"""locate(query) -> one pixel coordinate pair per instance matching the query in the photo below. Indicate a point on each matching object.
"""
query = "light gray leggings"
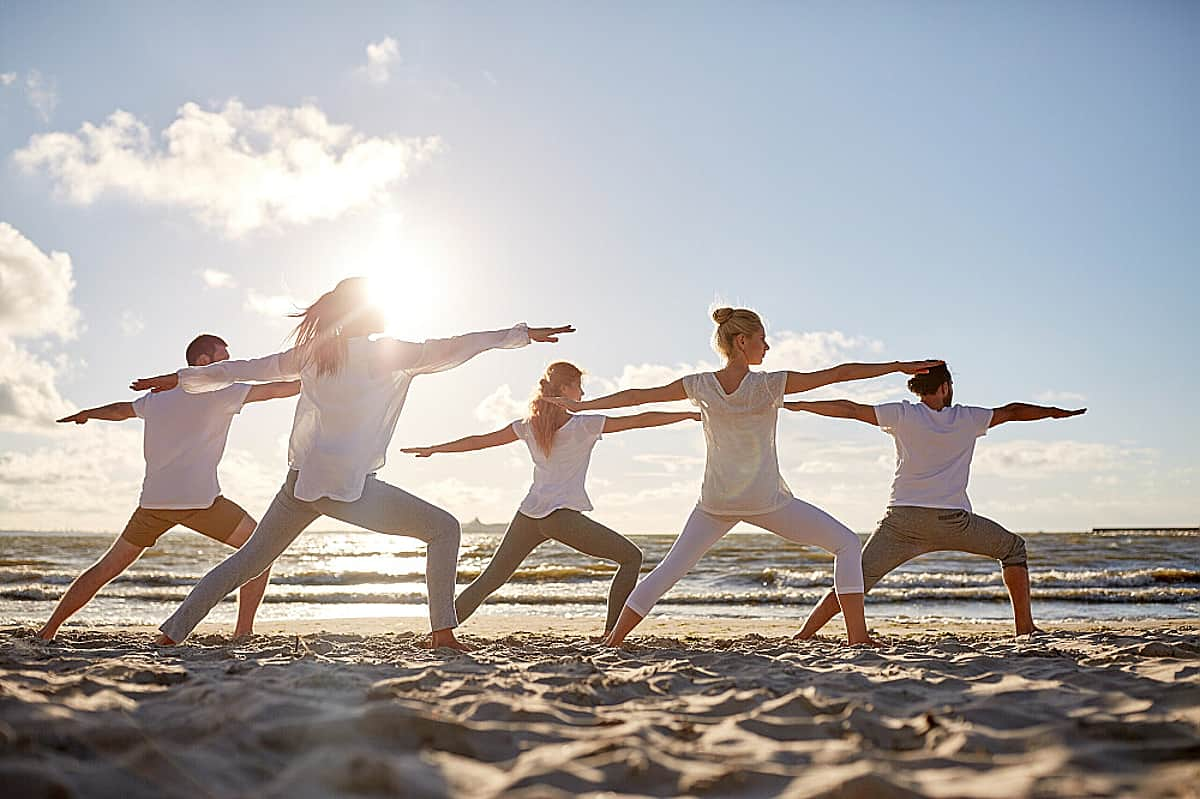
(569, 527)
(382, 508)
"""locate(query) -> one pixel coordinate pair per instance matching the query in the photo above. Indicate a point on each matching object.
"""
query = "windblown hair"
(732, 322)
(318, 337)
(203, 344)
(545, 418)
(931, 381)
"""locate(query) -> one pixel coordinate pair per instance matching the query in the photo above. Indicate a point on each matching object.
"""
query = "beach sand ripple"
(964, 713)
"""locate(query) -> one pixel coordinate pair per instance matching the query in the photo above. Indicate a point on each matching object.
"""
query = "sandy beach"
(724, 708)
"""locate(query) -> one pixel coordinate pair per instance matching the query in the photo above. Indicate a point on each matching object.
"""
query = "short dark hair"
(931, 381)
(203, 344)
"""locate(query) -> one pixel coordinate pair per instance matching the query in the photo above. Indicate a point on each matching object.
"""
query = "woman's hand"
(918, 367)
(420, 452)
(549, 334)
(156, 384)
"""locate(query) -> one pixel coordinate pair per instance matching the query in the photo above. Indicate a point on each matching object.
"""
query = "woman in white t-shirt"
(352, 389)
(561, 447)
(741, 472)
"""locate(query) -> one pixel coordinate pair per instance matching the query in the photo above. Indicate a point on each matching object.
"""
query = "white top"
(558, 481)
(741, 470)
(933, 452)
(345, 422)
(183, 443)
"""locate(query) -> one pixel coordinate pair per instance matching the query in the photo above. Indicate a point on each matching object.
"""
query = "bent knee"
(1016, 553)
(445, 527)
(848, 544)
(630, 556)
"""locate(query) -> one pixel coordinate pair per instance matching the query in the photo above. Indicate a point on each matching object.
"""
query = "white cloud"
(42, 93)
(275, 306)
(671, 464)
(1065, 398)
(35, 289)
(380, 56)
(35, 301)
(215, 279)
(1040, 458)
(235, 169)
(459, 497)
(500, 407)
(131, 323)
(7, 78)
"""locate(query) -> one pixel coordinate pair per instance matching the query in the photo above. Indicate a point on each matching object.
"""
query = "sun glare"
(408, 278)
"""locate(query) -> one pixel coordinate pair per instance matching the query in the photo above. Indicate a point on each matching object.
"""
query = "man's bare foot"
(1034, 630)
(800, 636)
(163, 640)
(445, 638)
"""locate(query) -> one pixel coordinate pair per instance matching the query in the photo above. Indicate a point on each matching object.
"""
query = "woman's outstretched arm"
(440, 354)
(503, 436)
(616, 424)
(671, 392)
(806, 381)
(282, 366)
(838, 409)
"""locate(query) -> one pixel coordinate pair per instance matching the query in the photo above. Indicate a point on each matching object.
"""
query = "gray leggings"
(382, 508)
(569, 527)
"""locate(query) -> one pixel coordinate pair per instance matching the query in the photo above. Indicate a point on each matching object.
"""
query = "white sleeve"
(595, 425)
(691, 384)
(888, 415)
(236, 394)
(776, 384)
(216, 376)
(440, 354)
(139, 405)
(981, 420)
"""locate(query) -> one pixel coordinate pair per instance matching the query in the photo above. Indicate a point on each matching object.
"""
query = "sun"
(407, 275)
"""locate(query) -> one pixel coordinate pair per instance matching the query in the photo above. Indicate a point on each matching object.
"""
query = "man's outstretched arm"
(1024, 412)
(112, 412)
(838, 409)
(266, 391)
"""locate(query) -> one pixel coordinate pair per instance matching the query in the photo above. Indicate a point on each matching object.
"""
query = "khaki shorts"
(218, 521)
(907, 532)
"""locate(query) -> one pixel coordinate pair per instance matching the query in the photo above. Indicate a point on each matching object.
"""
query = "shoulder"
(695, 382)
(591, 422)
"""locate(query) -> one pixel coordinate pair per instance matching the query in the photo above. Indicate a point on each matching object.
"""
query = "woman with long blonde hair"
(352, 390)
(742, 482)
(561, 447)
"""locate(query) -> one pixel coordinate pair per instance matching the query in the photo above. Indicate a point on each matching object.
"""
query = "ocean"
(1075, 576)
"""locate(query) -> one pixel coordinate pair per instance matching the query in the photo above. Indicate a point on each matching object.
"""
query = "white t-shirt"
(344, 422)
(183, 443)
(933, 452)
(558, 481)
(741, 470)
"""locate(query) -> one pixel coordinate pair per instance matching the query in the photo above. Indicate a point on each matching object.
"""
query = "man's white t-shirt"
(741, 469)
(183, 442)
(933, 452)
(558, 480)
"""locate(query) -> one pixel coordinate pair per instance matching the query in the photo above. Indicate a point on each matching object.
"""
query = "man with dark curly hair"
(929, 510)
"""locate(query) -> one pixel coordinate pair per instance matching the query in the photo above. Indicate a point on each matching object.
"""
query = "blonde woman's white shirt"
(933, 452)
(183, 442)
(558, 479)
(344, 422)
(741, 469)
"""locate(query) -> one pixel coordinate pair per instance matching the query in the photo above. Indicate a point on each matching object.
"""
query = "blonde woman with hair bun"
(561, 447)
(742, 483)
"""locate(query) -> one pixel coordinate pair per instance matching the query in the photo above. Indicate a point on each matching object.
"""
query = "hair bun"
(721, 315)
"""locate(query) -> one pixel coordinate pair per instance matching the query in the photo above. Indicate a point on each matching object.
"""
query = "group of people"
(352, 383)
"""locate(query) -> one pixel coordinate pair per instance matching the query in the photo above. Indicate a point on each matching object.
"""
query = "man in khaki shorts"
(183, 442)
(929, 510)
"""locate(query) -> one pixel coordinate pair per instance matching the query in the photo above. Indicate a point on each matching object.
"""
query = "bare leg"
(628, 619)
(856, 623)
(1016, 579)
(251, 594)
(820, 615)
(117, 559)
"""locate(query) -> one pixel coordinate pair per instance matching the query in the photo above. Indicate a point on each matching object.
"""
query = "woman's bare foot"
(866, 643)
(445, 638)
(163, 640)
(46, 634)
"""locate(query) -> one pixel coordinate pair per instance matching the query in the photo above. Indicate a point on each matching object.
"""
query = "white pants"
(797, 521)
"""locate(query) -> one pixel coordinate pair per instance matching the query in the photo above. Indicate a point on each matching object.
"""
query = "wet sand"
(358, 707)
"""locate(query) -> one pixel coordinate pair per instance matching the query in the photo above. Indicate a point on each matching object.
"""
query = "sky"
(1012, 187)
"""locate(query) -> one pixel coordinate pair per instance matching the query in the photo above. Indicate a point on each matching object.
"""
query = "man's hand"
(549, 334)
(420, 452)
(918, 367)
(156, 384)
(1059, 413)
(78, 418)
